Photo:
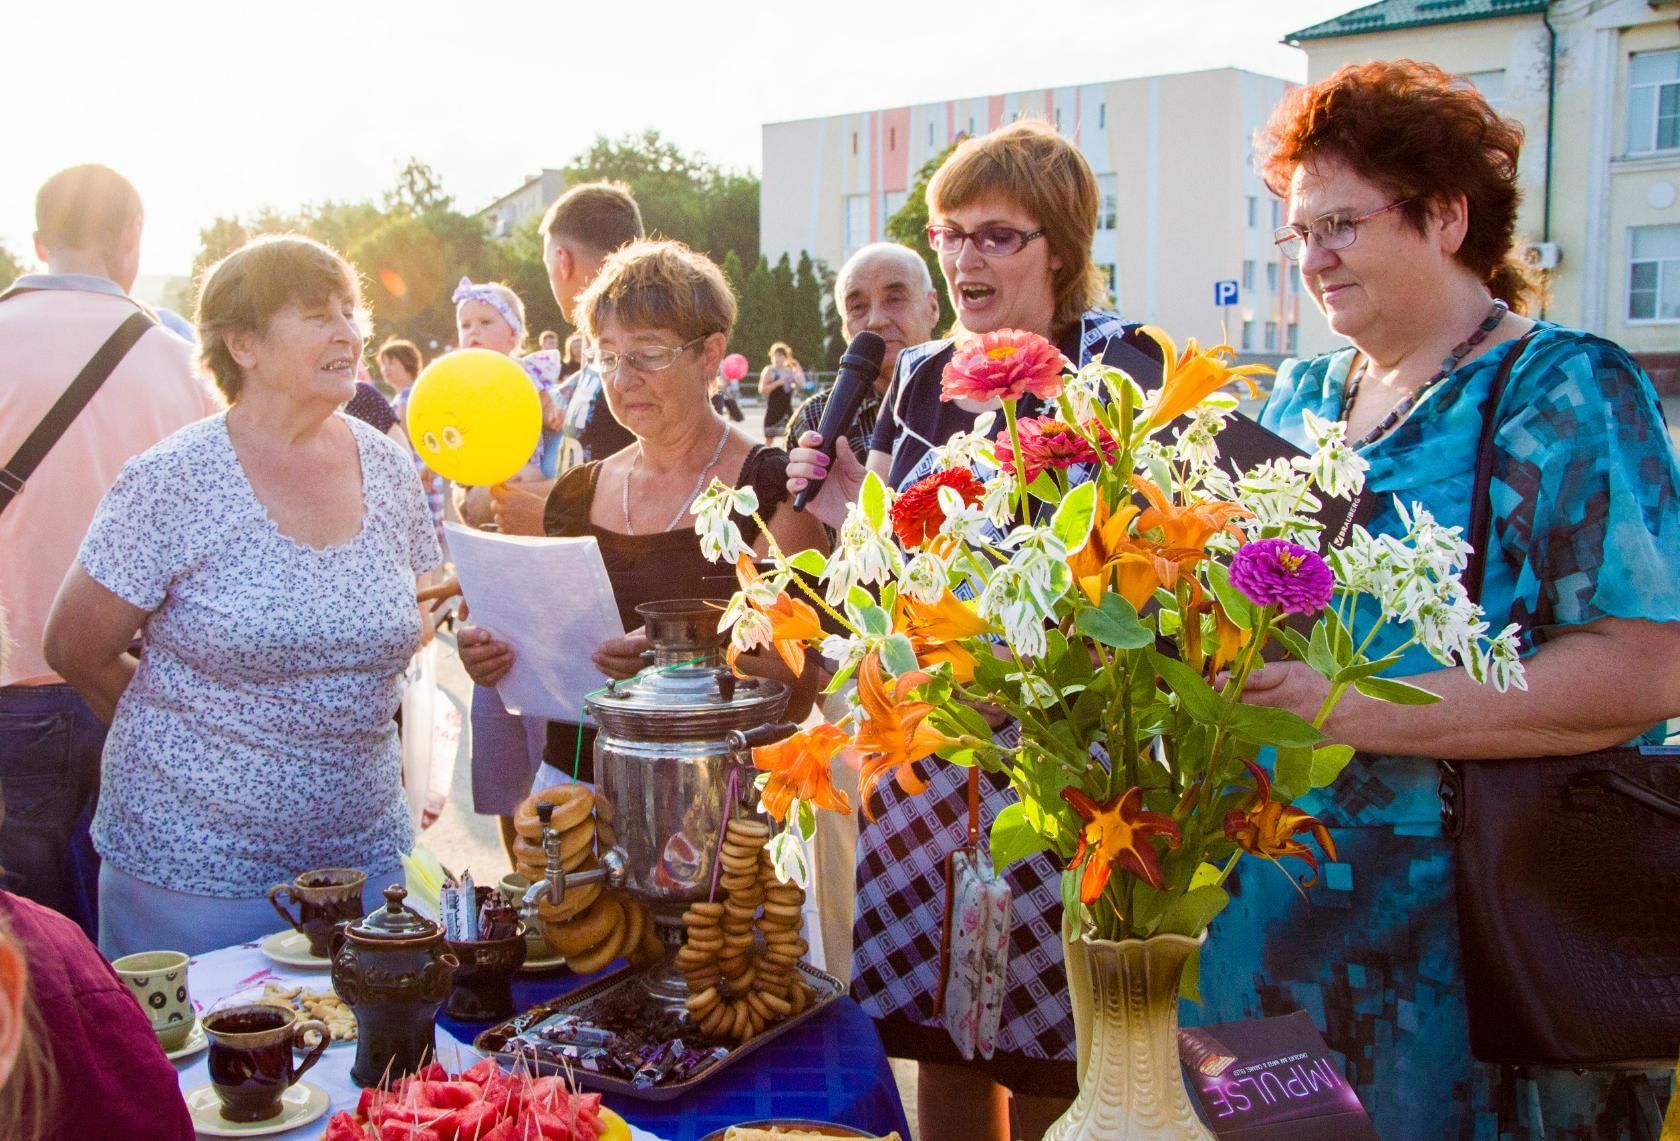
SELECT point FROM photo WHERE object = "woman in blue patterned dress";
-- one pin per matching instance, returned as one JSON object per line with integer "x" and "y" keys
{"x": 1401, "y": 184}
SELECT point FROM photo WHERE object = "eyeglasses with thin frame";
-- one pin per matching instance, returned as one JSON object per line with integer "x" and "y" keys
{"x": 1331, "y": 232}
{"x": 992, "y": 241}
{"x": 654, "y": 358}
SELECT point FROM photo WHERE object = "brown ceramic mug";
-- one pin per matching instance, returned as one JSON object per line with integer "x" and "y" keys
{"x": 251, "y": 1059}
{"x": 325, "y": 898}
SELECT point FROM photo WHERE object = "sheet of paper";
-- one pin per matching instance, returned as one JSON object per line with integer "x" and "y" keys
{"x": 548, "y": 598}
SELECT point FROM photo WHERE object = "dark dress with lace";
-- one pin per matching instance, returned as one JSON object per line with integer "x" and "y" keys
{"x": 648, "y": 568}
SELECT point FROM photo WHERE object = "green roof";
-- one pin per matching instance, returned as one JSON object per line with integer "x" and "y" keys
{"x": 1390, "y": 15}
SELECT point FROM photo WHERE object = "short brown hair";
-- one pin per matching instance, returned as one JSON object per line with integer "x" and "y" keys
{"x": 658, "y": 285}
{"x": 1028, "y": 163}
{"x": 406, "y": 353}
{"x": 242, "y": 293}
{"x": 599, "y": 215}
{"x": 85, "y": 208}
{"x": 1418, "y": 133}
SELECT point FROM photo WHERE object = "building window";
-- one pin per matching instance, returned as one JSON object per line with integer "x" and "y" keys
{"x": 971, "y": 125}
{"x": 930, "y": 134}
{"x": 1108, "y": 198}
{"x": 1058, "y": 118}
{"x": 1111, "y": 280}
{"x": 1248, "y": 273}
{"x": 1102, "y": 115}
{"x": 856, "y": 221}
{"x": 1253, "y": 211}
{"x": 1654, "y": 273}
{"x": 892, "y": 138}
{"x": 1295, "y": 277}
{"x": 1653, "y": 101}
{"x": 1271, "y": 276}
{"x": 1293, "y": 334}
{"x": 1248, "y": 336}
{"x": 1271, "y": 336}
{"x": 854, "y": 142}
{"x": 892, "y": 201}
{"x": 1491, "y": 85}
{"x": 1277, "y": 213}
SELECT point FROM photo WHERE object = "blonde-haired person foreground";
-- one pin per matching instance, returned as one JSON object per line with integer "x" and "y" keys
{"x": 268, "y": 557}
{"x": 658, "y": 318}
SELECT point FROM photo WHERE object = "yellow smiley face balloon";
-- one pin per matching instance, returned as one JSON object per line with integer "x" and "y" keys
{"x": 474, "y": 417}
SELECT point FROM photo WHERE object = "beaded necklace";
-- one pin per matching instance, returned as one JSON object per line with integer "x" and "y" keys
{"x": 1488, "y": 325}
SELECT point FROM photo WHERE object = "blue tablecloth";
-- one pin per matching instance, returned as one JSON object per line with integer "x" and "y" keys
{"x": 831, "y": 1067}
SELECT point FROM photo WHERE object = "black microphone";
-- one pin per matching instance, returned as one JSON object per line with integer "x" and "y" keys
{"x": 858, "y": 370}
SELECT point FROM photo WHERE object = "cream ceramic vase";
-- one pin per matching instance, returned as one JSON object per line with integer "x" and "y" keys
{"x": 1125, "y": 1018}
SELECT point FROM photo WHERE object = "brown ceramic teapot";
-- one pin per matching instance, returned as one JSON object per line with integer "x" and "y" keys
{"x": 394, "y": 971}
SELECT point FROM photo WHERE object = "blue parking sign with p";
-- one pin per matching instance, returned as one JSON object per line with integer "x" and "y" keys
{"x": 1225, "y": 293}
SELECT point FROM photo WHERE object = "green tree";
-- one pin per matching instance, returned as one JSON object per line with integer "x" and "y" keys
{"x": 760, "y": 315}
{"x": 419, "y": 190}
{"x": 734, "y": 273}
{"x": 805, "y": 316}
{"x": 834, "y": 333}
{"x": 10, "y": 268}
{"x": 909, "y": 227}
{"x": 786, "y": 312}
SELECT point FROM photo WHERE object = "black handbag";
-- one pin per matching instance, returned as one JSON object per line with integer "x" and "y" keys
{"x": 1568, "y": 883}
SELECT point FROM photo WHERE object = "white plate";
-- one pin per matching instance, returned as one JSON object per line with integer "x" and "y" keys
{"x": 299, "y": 1105}
{"x": 197, "y": 1039}
{"x": 291, "y": 949}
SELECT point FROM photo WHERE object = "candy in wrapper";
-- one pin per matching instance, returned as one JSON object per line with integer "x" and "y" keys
{"x": 1203, "y": 1052}
{"x": 468, "y": 904}
{"x": 449, "y": 912}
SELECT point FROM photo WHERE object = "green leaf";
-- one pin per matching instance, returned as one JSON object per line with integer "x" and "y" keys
{"x": 874, "y": 621}
{"x": 1199, "y": 699}
{"x": 1237, "y": 606}
{"x": 1341, "y": 638}
{"x": 1190, "y": 981}
{"x": 1072, "y": 521}
{"x": 897, "y": 655}
{"x": 856, "y": 599}
{"x": 1044, "y": 488}
{"x": 807, "y": 819}
{"x": 1292, "y": 773}
{"x": 1328, "y": 763}
{"x": 873, "y": 500}
{"x": 1319, "y": 654}
{"x": 1363, "y": 669}
{"x": 1395, "y": 692}
{"x": 1113, "y": 622}
{"x": 1207, "y": 875}
{"x": 1292, "y": 641}
{"x": 1013, "y": 838}
{"x": 1190, "y": 913}
{"x": 1266, "y": 726}
{"x": 810, "y": 561}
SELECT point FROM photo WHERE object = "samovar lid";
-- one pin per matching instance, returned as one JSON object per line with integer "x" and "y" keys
{"x": 689, "y": 694}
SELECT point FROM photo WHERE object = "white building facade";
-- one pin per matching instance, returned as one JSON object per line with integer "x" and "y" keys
{"x": 512, "y": 210}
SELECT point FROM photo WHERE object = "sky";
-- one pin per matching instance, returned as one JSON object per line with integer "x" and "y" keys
{"x": 227, "y": 107}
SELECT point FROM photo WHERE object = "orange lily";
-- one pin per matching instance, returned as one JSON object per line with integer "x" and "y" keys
{"x": 1117, "y": 831}
{"x": 1269, "y": 829}
{"x": 800, "y": 769}
{"x": 934, "y": 631}
{"x": 892, "y": 736}
{"x": 793, "y": 621}
{"x": 1138, "y": 565}
{"x": 1190, "y": 526}
{"x": 1194, "y": 375}
{"x": 1229, "y": 639}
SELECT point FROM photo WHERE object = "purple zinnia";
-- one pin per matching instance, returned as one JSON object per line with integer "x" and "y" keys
{"x": 1276, "y": 572}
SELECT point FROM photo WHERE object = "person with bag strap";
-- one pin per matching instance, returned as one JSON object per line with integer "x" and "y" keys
{"x": 86, "y": 384}
{"x": 1401, "y": 189}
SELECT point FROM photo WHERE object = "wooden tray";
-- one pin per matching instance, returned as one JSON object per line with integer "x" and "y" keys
{"x": 502, "y": 1040}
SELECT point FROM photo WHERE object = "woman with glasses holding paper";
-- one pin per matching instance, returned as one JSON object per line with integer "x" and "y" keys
{"x": 1013, "y": 213}
{"x": 658, "y": 319}
{"x": 1401, "y": 184}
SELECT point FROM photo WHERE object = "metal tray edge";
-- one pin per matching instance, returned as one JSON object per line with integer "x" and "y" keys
{"x": 827, "y": 987}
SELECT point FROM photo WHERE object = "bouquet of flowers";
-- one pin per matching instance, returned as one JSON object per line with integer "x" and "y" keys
{"x": 1101, "y": 578}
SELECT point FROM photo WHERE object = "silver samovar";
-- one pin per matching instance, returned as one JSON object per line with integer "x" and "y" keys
{"x": 673, "y": 748}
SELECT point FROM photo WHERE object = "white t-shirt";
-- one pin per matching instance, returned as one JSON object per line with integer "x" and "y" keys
{"x": 256, "y": 739}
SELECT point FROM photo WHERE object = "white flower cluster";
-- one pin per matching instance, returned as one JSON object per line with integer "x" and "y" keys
{"x": 865, "y": 554}
{"x": 720, "y": 538}
{"x": 1197, "y": 445}
{"x": 1414, "y": 578}
{"x": 1021, "y": 595}
{"x": 1334, "y": 468}
{"x": 1283, "y": 503}
{"x": 748, "y": 627}
{"x": 971, "y": 448}
{"x": 924, "y": 578}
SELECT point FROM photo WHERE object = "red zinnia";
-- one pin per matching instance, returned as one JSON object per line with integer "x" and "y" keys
{"x": 1005, "y": 365}
{"x": 916, "y": 514}
{"x": 1049, "y": 442}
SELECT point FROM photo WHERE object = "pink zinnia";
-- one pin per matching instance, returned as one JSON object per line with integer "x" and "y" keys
{"x": 1004, "y": 365}
{"x": 1049, "y": 442}
{"x": 1276, "y": 572}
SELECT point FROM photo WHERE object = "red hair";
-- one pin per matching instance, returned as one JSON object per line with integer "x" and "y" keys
{"x": 1419, "y": 133}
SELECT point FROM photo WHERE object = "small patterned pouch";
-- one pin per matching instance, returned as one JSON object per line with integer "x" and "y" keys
{"x": 974, "y": 949}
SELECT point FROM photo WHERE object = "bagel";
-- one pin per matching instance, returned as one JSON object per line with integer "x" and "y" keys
{"x": 588, "y": 928}
{"x": 527, "y": 851}
{"x": 577, "y": 898}
{"x": 598, "y": 957}
{"x": 572, "y": 805}
{"x": 747, "y": 831}
{"x": 635, "y": 922}
{"x": 699, "y": 1004}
